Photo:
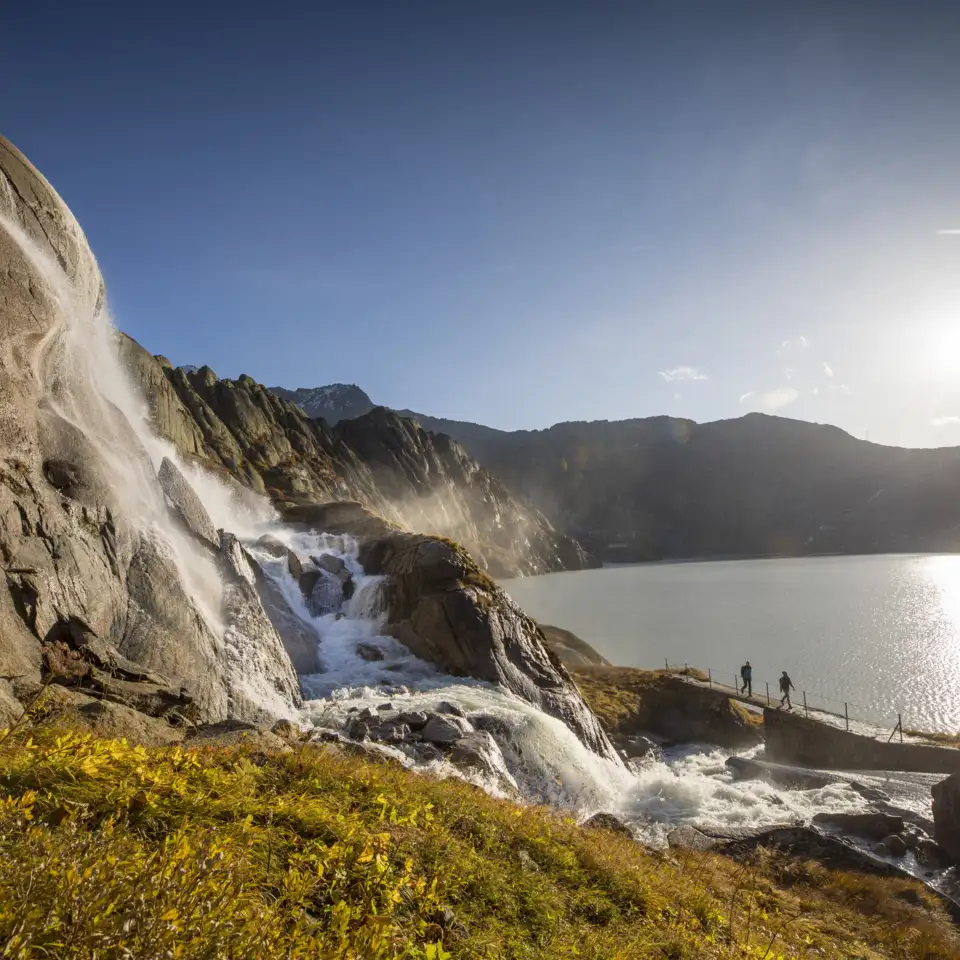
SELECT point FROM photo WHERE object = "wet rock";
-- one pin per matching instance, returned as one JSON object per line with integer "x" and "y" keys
{"x": 686, "y": 837}
{"x": 873, "y": 794}
{"x": 931, "y": 854}
{"x": 426, "y": 753}
{"x": 272, "y": 546}
{"x": 368, "y": 713}
{"x": 370, "y": 653}
{"x": 445, "y": 610}
{"x": 385, "y": 706}
{"x": 744, "y": 768}
{"x": 479, "y": 752}
{"x": 414, "y": 719}
{"x": 946, "y": 815}
{"x": 451, "y": 709}
{"x": 297, "y": 566}
{"x": 330, "y": 563}
{"x": 873, "y": 826}
{"x": 607, "y": 821}
{"x": 63, "y": 475}
{"x": 445, "y": 729}
{"x": 638, "y": 747}
{"x": 895, "y": 844}
{"x": 298, "y": 639}
{"x": 185, "y": 504}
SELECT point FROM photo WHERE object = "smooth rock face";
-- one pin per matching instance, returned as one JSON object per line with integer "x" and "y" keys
{"x": 258, "y": 667}
{"x": 445, "y": 729}
{"x": 875, "y": 826}
{"x": 686, "y": 837}
{"x": 946, "y": 815}
{"x": 446, "y": 611}
{"x": 186, "y": 504}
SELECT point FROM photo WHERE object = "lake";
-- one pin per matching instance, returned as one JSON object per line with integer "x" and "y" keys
{"x": 880, "y": 632}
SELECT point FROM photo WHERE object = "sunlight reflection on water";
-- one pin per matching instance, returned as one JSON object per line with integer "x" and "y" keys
{"x": 881, "y": 632}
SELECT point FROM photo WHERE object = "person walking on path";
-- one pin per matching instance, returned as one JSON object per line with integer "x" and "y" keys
{"x": 786, "y": 684}
{"x": 746, "y": 675}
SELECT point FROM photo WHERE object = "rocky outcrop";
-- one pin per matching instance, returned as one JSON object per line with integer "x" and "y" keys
{"x": 946, "y": 816}
{"x": 572, "y": 651}
{"x": 115, "y": 584}
{"x": 630, "y": 701}
{"x": 448, "y": 612}
{"x": 792, "y": 738}
{"x": 186, "y": 504}
{"x": 385, "y": 464}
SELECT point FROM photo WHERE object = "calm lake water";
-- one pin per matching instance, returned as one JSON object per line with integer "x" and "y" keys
{"x": 880, "y": 632}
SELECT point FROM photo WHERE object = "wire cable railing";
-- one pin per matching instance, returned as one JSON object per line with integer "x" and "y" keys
{"x": 853, "y": 717}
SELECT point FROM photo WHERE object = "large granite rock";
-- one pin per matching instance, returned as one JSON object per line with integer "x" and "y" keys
{"x": 946, "y": 815}
{"x": 261, "y": 680}
{"x": 186, "y": 504}
{"x": 97, "y": 576}
{"x": 445, "y": 610}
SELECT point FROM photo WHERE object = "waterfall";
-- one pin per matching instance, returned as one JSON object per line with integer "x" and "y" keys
{"x": 518, "y": 750}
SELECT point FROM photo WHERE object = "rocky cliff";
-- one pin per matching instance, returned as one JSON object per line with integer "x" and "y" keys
{"x": 132, "y": 603}
{"x": 756, "y": 485}
{"x": 420, "y": 481}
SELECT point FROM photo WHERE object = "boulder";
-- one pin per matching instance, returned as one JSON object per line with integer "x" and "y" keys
{"x": 446, "y": 611}
{"x": 477, "y": 752}
{"x": 607, "y": 821}
{"x": 946, "y": 815}
{"x": 414, "y": 719}
{"x": 686, "y": 837}
{"x": 369, "y": 652}
{"x": 261, "y": 681}
{"x": 874, "y": 826}
{"x": 186, "y": 505}
{"x": 439, "y": 729}
{"x": 744, "y": 768}
{"x": 895, "y": 844}
{"x": 271, "y": 545}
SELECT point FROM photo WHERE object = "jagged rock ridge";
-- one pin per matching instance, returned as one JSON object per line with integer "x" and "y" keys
{"x": 422, "y": 482}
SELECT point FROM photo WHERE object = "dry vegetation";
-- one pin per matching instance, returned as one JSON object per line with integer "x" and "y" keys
{"x": 113, "y": 850}
{"x": 618, "y": 695}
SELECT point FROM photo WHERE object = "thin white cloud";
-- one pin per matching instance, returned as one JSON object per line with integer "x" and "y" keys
{"x": 944, "y": 421}
{"x": 801, "y": 343}
{"x": 676, "y": 396}
{"x": 781, "y": 397}
{"x": 746, "y": 396}
{"x": 950, "y": 232}
{"x": 827, "y": 369}
{"x": 842, "y": 388}
{"x": 788, "y": 373}
{"x": 683, "y": 373}
{"x": 815, "y": 391}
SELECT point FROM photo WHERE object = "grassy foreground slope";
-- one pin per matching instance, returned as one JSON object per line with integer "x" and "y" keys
{"x": 109, "y": 850}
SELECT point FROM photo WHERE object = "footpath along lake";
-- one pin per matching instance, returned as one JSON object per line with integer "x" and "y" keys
{"x": 881, "y": 632}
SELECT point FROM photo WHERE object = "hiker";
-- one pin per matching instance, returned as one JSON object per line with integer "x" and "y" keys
{"x": 785, "y": 686}
{"x": 746, "y": 675}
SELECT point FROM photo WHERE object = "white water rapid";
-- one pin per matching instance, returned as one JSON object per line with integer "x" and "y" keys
{"x": 533, "y": 756}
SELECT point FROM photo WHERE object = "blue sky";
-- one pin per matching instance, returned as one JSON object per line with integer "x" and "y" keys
{"x": 521, "y": 213}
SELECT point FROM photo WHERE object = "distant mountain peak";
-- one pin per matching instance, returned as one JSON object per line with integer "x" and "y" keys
{"x": 333, "y": 402}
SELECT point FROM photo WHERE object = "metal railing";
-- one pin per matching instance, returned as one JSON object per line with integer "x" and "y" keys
{"x": 767, "y": 693}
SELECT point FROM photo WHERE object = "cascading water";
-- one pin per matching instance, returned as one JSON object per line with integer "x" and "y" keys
{"x": 517, "y": 749}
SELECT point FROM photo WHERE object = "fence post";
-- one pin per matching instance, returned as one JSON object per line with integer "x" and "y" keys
{"x": 806, "y": 712}
{"x": 666, "y": 664}
{"x": 710, "y": 678}
{"x": 900, "y": 726}
{"x": 768, "y": 694}
{"x": 686, "y": 669}
{"x": 846, "y": 715}
{"x": 736, "y": 683}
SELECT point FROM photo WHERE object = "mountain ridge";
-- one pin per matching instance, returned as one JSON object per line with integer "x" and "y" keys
{"x": 661, "y": 487}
